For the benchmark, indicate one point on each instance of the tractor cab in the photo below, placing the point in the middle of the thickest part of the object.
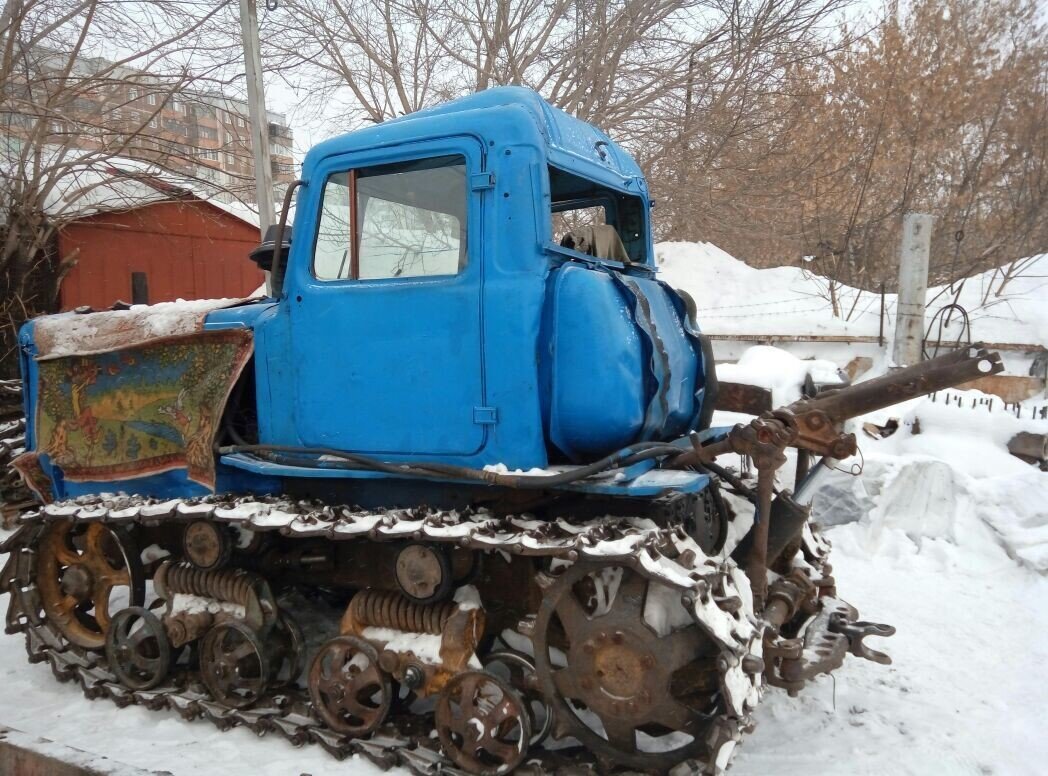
(474, 284)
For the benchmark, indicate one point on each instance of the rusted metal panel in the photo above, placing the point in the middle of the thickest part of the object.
(1010, 388)
(186, 250)
(740, 397)
(24, 755)
(1028, 446)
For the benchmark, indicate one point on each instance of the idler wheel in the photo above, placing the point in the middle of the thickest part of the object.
(350, 692)
(234, 665)
(622, 679)
(423, 573)
(206, 545)
(137, 648)
(78, 569)
(483, 725)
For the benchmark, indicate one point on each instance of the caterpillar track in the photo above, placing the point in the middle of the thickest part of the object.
(714, 592)
(13, 493)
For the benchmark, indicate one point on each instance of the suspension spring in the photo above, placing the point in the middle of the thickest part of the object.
(234, 586)
(384, 609)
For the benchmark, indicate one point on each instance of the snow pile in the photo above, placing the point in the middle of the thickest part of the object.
(777, 370)
(973, 440)
(734, 298)
(953, 481)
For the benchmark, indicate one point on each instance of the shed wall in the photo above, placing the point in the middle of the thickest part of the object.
(186, 250)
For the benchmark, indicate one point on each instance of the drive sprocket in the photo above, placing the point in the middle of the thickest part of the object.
(77, 569)
(626, 691)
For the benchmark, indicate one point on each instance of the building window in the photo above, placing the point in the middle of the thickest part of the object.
(151, 98)
(209, 153)
(176, 105)
(230, 160)
(153, 122)
(139, 288)
(240, 121)
(405, 220)
(229, 139)
(132, 94)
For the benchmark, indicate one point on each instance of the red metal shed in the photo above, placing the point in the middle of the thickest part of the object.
(185, 248)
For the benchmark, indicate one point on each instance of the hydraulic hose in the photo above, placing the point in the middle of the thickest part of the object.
(287, 454)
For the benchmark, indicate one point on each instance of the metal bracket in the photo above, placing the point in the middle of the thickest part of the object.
(482, 180)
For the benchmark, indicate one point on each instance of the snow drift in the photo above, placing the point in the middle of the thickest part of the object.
(735, 298)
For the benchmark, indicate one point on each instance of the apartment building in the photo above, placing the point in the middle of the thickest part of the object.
(203, 135)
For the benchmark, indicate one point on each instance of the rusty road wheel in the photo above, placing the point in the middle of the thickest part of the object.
(137, 648)
(287, 646)
(483, 724)
(234, 665)
(349, 690)
(632, 696)
(78, 569)
(519, 670)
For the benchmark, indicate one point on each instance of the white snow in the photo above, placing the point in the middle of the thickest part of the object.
(75, 333)
(194, 604)
(777, 370)
(424, 646)
(734, 298)
(467, 597)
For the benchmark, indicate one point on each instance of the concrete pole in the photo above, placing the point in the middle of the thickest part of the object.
(913, 286)
(256, 104)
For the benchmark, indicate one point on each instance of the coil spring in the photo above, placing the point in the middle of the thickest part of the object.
(384, 609)
(231, 585)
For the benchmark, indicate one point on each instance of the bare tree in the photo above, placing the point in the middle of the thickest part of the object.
(623, 64)
(83, 83)
(941, 108)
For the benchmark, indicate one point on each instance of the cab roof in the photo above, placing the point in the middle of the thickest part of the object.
(512, 113)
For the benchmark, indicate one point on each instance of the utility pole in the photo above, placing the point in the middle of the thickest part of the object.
(914, 250)
(256, 104)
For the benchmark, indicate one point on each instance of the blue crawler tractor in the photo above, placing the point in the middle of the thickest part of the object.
(455, 473)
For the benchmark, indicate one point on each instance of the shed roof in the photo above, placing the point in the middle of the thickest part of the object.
(119, 183)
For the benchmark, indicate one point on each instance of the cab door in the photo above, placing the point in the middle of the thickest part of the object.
(385, 313)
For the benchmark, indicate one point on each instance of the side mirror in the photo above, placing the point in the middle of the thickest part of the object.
(263, 254)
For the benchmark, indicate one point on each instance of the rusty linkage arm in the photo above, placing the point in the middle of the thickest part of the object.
(816, 426)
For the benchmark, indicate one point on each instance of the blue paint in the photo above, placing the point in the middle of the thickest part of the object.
(531, 355)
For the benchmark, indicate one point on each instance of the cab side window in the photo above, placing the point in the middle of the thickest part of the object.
(398, 220)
